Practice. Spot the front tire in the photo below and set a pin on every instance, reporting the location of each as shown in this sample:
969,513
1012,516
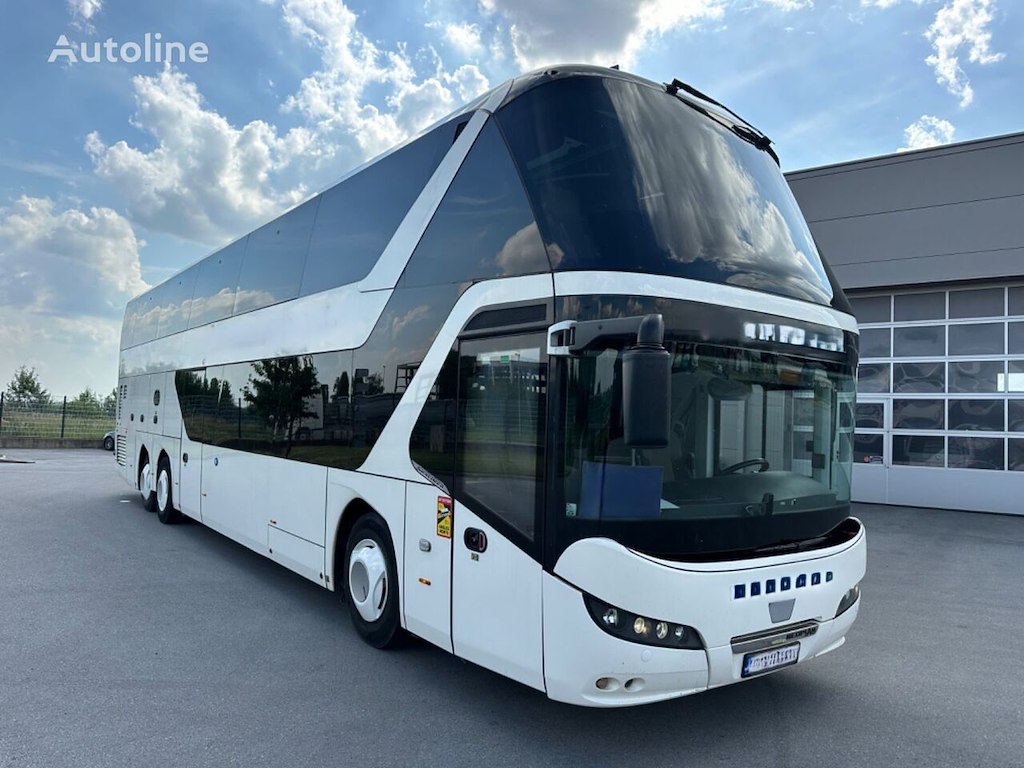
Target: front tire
371,583
146,486
165,510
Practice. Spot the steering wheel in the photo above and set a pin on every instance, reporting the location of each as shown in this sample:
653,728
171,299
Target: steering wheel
761,463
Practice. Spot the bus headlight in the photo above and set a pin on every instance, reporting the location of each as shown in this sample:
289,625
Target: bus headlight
641,629
848,600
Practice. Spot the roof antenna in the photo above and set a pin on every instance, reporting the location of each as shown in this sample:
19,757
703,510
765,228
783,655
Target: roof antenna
614,66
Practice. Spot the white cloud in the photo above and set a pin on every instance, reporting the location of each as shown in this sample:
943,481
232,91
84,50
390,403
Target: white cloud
883,4
961,25
82,11
67,261
207,180
790,5
334,97
65,276
469,81
599,31
464,38
928,131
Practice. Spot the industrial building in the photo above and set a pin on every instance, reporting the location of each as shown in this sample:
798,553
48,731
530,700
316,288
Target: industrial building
929,246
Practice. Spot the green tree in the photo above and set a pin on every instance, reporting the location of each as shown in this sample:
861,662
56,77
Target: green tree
25,388
277,393
87,403
110,402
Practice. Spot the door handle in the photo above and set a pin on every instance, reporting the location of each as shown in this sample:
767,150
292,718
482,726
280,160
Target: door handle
475,540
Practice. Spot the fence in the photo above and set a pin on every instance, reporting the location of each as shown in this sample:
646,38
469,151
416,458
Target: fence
56,420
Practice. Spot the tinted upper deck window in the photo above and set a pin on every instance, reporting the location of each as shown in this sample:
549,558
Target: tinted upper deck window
358,216
175,302
214,296
484,227
624,176
274,257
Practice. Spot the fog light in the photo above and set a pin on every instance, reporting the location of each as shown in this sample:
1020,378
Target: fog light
641,626
661,630
848,600
679,633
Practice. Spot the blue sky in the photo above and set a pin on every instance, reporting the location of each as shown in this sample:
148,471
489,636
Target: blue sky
114,175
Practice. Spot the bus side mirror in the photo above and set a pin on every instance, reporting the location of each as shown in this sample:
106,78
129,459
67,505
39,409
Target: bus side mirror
647,387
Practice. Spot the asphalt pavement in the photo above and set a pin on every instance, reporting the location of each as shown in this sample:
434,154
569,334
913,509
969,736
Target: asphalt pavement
124,642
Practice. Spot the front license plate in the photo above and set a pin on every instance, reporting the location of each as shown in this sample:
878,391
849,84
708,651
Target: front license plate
766,661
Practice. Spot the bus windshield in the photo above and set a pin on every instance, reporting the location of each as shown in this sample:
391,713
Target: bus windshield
759,454
624,176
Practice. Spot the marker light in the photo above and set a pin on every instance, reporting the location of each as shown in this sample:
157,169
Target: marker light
641,629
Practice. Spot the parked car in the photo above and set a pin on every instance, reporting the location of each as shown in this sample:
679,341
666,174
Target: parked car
108,441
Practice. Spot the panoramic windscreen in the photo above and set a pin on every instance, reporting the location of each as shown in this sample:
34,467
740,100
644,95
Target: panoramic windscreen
624,176
759,453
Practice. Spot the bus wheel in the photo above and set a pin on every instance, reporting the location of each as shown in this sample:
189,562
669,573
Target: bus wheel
146,486
165,510
371,580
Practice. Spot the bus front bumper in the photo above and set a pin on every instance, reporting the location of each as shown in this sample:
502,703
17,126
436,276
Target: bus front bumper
587,666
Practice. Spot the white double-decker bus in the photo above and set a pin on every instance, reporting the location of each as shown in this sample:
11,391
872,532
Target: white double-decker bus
562,386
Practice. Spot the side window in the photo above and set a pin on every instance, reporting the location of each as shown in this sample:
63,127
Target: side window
500,453
214,295
484,227
274,257
146,322
385,365
197,401
432,443
128,327
358,216
175,302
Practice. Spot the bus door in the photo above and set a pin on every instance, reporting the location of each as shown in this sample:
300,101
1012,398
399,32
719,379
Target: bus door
427,584
496,570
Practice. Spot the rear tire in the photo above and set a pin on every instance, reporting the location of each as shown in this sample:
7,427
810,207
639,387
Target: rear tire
108,443
165,510
371,583
146,486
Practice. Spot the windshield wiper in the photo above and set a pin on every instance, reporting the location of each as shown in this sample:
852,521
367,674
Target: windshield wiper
744,129
792,545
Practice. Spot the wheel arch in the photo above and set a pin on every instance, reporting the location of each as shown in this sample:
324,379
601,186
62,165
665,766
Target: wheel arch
356,508
143,459
164,455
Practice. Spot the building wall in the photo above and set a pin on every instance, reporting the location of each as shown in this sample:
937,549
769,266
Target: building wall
929,245
944,214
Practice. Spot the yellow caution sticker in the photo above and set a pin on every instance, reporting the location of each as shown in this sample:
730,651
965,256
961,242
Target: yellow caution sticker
444,517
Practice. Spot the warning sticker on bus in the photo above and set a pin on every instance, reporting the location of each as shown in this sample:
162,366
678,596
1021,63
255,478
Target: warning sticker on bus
444,517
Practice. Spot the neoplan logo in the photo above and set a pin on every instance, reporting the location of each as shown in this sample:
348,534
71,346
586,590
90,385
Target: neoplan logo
151,50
